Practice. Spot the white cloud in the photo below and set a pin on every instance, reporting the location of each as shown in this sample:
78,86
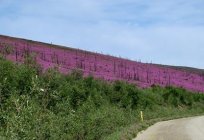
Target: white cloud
168,32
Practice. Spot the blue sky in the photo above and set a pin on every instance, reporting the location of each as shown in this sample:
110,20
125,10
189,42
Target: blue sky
162,31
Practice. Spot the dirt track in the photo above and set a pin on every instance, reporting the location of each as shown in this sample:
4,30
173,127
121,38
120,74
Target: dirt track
180,129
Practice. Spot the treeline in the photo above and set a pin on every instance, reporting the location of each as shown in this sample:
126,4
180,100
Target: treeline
51,105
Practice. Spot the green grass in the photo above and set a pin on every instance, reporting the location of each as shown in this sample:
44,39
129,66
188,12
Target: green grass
49,105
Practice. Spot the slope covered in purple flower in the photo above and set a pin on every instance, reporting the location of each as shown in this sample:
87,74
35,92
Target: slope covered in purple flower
101,66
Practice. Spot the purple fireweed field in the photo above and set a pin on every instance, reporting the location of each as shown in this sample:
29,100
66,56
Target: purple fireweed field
101,66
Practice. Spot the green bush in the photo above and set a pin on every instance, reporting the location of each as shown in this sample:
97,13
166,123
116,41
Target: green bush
51,105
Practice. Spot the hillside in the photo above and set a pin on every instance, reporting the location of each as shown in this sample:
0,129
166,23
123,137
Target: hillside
101,66
184,68
52,105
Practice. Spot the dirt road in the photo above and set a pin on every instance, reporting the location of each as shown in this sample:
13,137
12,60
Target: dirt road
180,129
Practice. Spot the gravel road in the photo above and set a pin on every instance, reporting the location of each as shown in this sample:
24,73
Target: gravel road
180,129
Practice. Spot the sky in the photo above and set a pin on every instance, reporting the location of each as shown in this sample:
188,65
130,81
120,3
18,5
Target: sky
159,31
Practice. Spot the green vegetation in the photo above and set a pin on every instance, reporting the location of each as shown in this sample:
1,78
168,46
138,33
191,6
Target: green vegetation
56,106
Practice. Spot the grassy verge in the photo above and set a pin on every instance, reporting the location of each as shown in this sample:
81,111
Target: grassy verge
131,131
